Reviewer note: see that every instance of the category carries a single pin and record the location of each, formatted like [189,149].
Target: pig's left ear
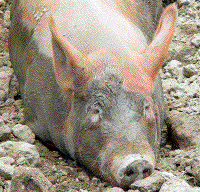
[156,52]
[70,65]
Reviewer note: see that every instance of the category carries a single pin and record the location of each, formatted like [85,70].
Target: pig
[88,72]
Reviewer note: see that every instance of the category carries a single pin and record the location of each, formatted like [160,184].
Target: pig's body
[84,85]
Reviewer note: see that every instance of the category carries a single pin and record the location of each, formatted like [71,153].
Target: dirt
[62,171]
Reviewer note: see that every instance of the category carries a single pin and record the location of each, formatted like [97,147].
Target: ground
[180,148]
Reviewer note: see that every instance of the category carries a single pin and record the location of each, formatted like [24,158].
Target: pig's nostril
[129,173]
[146,173]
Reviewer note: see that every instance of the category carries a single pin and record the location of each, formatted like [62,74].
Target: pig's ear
[69,63]
[148,112]
[156,52]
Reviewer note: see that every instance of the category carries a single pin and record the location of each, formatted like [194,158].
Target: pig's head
[113,127]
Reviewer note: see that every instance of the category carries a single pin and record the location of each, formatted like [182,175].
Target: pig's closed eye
[95,112]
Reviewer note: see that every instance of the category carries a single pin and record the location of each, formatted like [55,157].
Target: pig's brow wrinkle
[109,88]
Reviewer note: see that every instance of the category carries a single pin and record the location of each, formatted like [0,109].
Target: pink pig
[89,76]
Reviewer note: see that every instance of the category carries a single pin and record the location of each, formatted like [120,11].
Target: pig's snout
[133,167]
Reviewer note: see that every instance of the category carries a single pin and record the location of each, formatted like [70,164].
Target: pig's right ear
[155,53]
[69,64]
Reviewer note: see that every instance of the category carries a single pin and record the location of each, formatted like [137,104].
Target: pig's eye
[95,112]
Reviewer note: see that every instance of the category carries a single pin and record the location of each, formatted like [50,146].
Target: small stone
[195,189]
[26,178]
[168,146]
[22,161]
[82,190]
[13,115]
[6,22]
[14,87]
[22,149]
[95,180]
[175,185]
[5,116]
[2,152]
[54,169]
[183,2]
[21,118]
[1,17]
[64,183]
[193,90]
[4,59]
[196,109]
[72,190]
[83,178]
[189,28]
[196,168]
[177,161]
[193,79]
[69,169]
[2,3]
[1,122]
[171,85]
[173,67]
[24,133]
[167,175]
[151,183]
[188,110]
[104,184]
[7,185]
[184,129]
[5,131]
[5,76]
[7,160]
[188,170]
[114,189]
[168,75]
[6,171]
[9,1]
[176,152]
[18,104]
[189,70]
[196,40]
[9,102]
[30,153]
[3,95]
[179,94]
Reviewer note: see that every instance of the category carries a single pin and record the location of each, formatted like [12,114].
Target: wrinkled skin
[91,86]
